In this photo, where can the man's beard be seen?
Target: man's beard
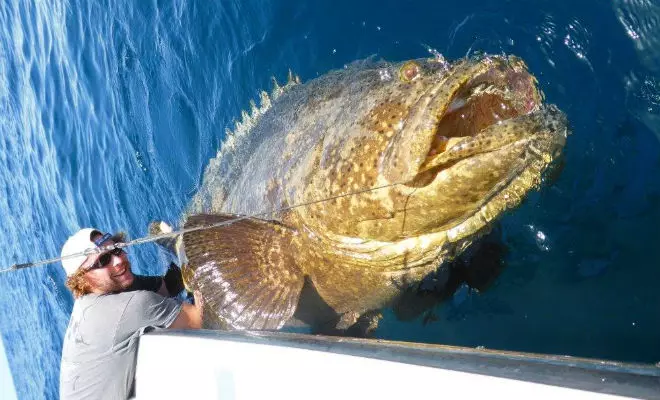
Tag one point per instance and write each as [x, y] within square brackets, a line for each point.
[113, 283]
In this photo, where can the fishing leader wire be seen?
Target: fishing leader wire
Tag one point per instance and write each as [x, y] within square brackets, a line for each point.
[153, 238]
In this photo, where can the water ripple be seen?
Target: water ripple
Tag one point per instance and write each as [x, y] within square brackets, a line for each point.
[643, 99]
[36, 201]
[641, 20]
[576, 39]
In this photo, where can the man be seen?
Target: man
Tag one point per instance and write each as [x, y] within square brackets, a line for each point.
[109, 315]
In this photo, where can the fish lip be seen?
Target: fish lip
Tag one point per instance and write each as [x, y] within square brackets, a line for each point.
[548, 127]
[505, 79]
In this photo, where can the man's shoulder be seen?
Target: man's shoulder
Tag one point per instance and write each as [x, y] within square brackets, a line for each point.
[142, 295]
[145, 298]
[134, 296]
[147, 308]
[93, 298]
[105, 300]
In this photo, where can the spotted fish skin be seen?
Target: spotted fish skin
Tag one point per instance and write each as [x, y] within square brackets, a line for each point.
[450, 147]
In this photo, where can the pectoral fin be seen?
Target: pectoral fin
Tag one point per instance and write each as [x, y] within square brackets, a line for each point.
[245, 270]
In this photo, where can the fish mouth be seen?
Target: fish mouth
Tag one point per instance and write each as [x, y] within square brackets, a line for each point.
[497, 94]
[473, 119]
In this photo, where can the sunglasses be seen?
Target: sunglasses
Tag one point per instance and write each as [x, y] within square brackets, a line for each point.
[105, 258]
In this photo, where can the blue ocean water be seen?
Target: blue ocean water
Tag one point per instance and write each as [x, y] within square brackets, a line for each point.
[110, 110]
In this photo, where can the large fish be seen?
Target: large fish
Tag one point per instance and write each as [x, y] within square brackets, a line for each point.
[449, 148]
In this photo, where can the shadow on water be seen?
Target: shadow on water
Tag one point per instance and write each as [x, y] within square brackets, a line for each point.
[475, 270]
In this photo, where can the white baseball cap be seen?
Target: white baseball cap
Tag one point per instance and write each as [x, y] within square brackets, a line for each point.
[78, 243]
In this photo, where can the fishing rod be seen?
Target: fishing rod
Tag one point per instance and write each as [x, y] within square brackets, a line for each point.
[153, 238]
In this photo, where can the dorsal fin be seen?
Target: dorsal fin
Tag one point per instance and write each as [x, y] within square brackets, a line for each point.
[222, 165]
[249, 119]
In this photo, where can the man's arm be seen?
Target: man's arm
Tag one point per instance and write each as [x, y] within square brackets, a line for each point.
[162, 290]
[169, 285]
[148, 309]
[172, 281]
[191, 316]
[148, 283]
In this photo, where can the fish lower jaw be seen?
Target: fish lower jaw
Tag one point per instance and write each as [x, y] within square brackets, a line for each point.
[507, 194]
[504, 198]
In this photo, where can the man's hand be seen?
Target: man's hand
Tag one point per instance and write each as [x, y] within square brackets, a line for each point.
[191, 316]
[199, 303]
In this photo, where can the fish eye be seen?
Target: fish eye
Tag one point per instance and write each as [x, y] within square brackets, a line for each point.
[409, 71]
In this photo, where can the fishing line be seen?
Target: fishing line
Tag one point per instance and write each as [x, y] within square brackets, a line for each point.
[153, 238]
[521, 165]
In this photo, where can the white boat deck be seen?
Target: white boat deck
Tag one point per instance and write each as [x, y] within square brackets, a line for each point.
[217, 365]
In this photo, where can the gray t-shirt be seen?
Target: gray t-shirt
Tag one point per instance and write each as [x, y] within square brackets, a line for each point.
[100, 345]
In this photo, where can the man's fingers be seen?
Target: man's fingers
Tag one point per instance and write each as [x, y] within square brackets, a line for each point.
[199, 299]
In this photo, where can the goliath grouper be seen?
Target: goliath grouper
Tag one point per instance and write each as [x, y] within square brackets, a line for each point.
[451, 148]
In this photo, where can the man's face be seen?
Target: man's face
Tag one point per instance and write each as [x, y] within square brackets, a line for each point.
[115, 276]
